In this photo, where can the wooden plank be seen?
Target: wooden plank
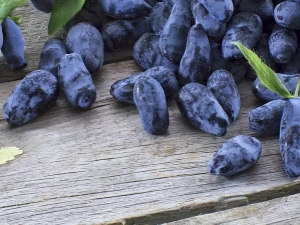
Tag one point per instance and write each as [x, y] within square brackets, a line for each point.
[34, 29]
[100, 167]
[277, 211]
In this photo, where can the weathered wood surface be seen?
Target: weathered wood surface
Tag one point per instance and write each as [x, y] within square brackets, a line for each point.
[277, 211]
[100, 167]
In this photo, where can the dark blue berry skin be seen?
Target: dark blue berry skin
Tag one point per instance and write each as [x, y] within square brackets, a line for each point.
[213, 28]
[122, 90]
[85, 15]
[262, 50]
[237, 67]
[52, 52]
[282, 44]
[265, 119]
[147, 54]
[287, 15]
[195, 63]
[293, 66]
[169, 2]
[150, 100]
[124, 9]
[119, 33]
[289, 137]
[76, 81]
[151, 2]
[222, 85]
[173, 39]
[245, 28]
[200, 107]
[265, 95]
[43, 5]
[219, 9]
[263, 8]
[235, 155]
[31, 97]
[85, 40]
[159, 16]
[13, 44]
[235, 2]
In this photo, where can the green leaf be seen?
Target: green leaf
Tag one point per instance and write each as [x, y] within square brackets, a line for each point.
[265, 74]
[7, 6]
[62, 12]
[9, 153]
[18, 19]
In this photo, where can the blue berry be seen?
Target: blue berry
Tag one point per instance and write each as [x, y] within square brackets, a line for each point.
[173, 39]
[85, 15]
[282, 44]
[289, 137]
[195, 63]
[124, 9]
[264, 94]
[265, 119]
[119, 33]
[237, 67]
[159, 16]
[235, 155]
[211, 25]
[31, 97]
[13, 44]
[85, 40]
[246, 28]
[220, 9]
[52, 52]
[150, 100]
[287, 15]
[293, 66]
[222, 85]
[122, 90]
[200, 107]
[76, 82]
[147, 54]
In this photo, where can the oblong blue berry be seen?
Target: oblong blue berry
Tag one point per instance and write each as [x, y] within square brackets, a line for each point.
[85, 40]
[265, 119]
[289, 137]
[122, 90]
[150, 100]
[222, 85]
[31, 97]
[52, 52]
[264, 94]
[246, 28]
[76, 81]
[235, 155]
[200, 107]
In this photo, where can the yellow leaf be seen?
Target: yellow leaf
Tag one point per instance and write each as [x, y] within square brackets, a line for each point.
[9, 153]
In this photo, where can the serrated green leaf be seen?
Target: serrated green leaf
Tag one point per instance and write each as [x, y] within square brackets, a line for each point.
[18, 19]
[265, 74]
[62, 12]
[7, 6]
[8, 154]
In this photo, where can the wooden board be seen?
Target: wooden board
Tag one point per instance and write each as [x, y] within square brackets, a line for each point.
[277, 211]
[99, 166]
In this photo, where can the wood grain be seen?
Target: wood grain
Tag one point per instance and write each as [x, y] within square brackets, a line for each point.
[99, 166]
[279, 211]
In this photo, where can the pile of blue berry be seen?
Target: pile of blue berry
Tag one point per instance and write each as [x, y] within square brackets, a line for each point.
[185, 48]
